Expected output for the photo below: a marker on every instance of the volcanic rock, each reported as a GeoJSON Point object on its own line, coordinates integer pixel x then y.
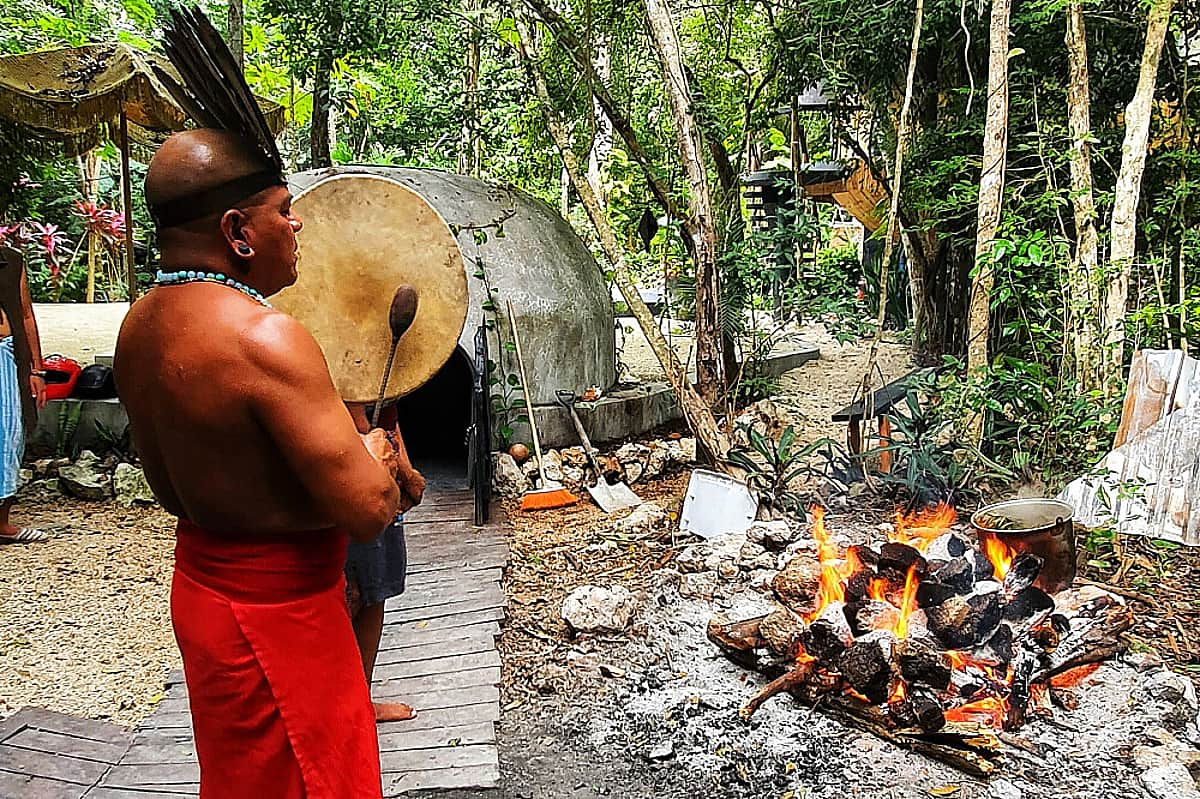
{"type": "Point", "coordinates": [963, 622]}
{"type": "Point", "coordinates": [1023, 571]}
{"type": "Point", "coordinates": [866, 665]}
{"type": "Point", "coordinates": [828, 635]}
{"type": "Point", "coordinates": [798, 585]}
{"type": "Point", "coordinates": [868, 615]}
{"type": "Point", "coordinates": [1028, 603]}
{"type": "Point", "coordinates": [958, 574]}
{"type": "Point", "coordinates": [898, 558]}
{"type": "Point", "coordinates": [946, 547]}
{"type": "Point", "coordinates": [783, 631]}
{"type": "Point", "coordinates": [922, 664]}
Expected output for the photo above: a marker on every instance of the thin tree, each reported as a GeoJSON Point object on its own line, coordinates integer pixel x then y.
{"type": "Point", "coordinates": [237, 21]}
{"type": "Point", "coordinates": [697, 412]}
{"type": "Point", "coordinates": [702, 231]}
{"type": "Point", "coordinates": [1083, 285]}
{"type": "Point", "coordinates": [991, 198]}
{"type": "Point", "coordinates": [1128, 190]}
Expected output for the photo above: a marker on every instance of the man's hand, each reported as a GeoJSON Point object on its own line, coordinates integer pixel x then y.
{"type": "Point", "coordinates": [412, 488]}
{"type": "Point", "coordinates": [381, 450]}
{"type": "Point", "coordinates": [37, 387]}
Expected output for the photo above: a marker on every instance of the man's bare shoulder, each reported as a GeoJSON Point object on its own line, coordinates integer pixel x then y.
{"type": "Point", "coordinates": [278, 344]}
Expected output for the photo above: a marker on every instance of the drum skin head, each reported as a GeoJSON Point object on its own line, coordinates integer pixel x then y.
{"type": "Point", "coordinates": [363, 236]}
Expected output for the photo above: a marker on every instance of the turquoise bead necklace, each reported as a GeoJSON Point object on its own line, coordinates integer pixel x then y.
{"type": "Point", "coordinates": [193, 276]}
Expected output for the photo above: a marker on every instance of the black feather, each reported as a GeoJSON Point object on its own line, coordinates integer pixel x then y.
{"type": "Point", "coordinates": [214, 90]}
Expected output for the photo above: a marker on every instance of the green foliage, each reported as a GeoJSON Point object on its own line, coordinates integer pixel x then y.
{"type": "Point", "coordinates": [774, 467]}
{"type": "Point", "coordinates": [68, 422]}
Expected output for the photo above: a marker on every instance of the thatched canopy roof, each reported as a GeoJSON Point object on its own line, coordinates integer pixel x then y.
{"type": "Point", "coordinates": [76, 94]}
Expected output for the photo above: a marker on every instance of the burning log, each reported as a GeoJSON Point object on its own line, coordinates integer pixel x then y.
{"type": "Point", "coordinates": [798, 586]}
{"type": "Point", "coordinates": [866, 665]}
{"type": "Point", "coordinates": [783, 631]}
{"type": "Point", "coordinates": [793, 680]}
{"type": "Point", "coordinates": [930, 593]}
{"type": "Point", "coordinates": [1000, 647]}
{"type": "Point", "coordinates": [1024, 570]}
{"type": "Point", "coordinates": [738, 639]}
{"type": "Point", "coordinates": [1023, 667]}
{"type": "Point", "coordinates": [919, 710]}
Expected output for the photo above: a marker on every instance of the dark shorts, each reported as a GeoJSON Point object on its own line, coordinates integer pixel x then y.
{"type": "Point", "coordinates": [375, 569]}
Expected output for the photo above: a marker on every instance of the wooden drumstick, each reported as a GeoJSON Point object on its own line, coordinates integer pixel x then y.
{"type": "Point", "coordinates": [400, 319]}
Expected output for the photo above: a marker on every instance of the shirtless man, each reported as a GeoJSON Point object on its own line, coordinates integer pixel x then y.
{"type": "Point", "coordinates": [12, 427]}
{"type": "Point", "coordinates": [244, 438]}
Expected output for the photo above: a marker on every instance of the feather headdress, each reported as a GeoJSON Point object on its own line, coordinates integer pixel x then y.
{"type": "Point", "coordinates": [214, 93]}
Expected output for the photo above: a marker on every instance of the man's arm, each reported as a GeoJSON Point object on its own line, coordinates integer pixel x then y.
{"type": "Point", "coordinates": [412, 482]}
{"type": "Point", "coordinates": [297, 405]}
{"type": "Point", "coordinates": [37, 381]}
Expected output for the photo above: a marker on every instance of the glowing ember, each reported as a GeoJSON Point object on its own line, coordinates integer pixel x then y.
{"type": "Point", "coordinates": [1072, 677]}
{"type": "Point", "coordinates": [1000, 555]}
{"type": "Point", "coordinates": [988, 711]}
{"type": "Point", "coordinates": [919, 528]}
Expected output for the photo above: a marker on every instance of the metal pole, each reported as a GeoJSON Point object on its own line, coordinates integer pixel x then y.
{"type": "Point", "coordinates": [127, 207]}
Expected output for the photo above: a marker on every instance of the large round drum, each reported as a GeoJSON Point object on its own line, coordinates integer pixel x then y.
{"type": "Point", "coordinates": [363, 236]}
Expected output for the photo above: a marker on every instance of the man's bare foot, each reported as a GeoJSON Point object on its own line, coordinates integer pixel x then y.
{"type": "Point", "coordinates": [393, 711]}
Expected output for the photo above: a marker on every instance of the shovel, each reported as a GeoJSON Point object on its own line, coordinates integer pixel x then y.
{"type": "Point", "coordinates": [609, 497]}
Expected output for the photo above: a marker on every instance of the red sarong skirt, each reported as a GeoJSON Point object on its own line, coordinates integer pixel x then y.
{"type": "Point", "coordinates": [280, 706]}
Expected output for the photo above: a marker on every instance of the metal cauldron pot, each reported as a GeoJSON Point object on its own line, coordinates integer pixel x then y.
{"type": "Point", "coordinates": [1041, 526]}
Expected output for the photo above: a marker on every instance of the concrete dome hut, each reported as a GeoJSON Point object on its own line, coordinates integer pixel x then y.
{"type": "Point", "coordinates": [533, 259]}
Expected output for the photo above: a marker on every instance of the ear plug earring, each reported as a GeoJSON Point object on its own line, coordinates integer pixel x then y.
{"type": "Point", "coordinates": [244, 249]}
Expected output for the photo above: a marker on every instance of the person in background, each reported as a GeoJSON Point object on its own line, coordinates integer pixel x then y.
{"type": "Point", "coordinates": [375, 570]}
{"type": "Point", "coordinates": [12, 429]}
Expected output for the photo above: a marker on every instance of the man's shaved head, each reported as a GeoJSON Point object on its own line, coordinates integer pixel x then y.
{"type": "Point", "coordinates": [198, 160]}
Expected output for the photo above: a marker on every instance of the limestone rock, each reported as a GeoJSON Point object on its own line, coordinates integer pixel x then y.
{"type": "Point", "coordinates": [766, 417]}
{"type": "Point", "coordinates": [657, 461]}
{"type": "Point", "coordinates": [530, 469]}
{"type": "Point", "coordinates": [753, 556]}
{"type": "Point", "coordinates": [85, 479]}
{"type": "Point", "coordinates": [593, 608]}
{"type": "Point", "coordinates": [695, 558]}
{"type": "Point", "coordinates": [507, 478]}
{"type": "Point", "coordinates": [633, 471]}
{"type": "Point", "coordinates": [687, 449]}
{"type": "Point", "coordinates": [773, 535]}
{"type": "Point", "coordinates": [573, 477]}
{"type": "Point", "coordinates": [782, 630]}
{"type": "Point", "coordinates": [553, 465]}
{"type": "Point", "coordinates": [632, 458]}
{"type": "Point", "coordinates": [573, 456]}
{"type": "Point", "coordinates": [130, 486]}
{"type": "Point", "coordinates": [701, 585]}
{"type": "Point", "coordinates": [641, 520]}
{"type": "Point", "coordinates": [728, 571]}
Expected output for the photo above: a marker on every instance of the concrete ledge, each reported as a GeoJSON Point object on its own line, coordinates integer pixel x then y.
{"type": "Point", "coordinates": [108, 412]}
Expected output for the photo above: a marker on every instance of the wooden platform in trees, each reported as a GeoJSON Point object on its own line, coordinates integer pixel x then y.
{"type": "Point", "coordinates": [438, 654]}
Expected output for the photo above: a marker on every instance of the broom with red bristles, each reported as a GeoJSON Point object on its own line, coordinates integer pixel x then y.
{"type": "Point", "coordinates": [551, 494]}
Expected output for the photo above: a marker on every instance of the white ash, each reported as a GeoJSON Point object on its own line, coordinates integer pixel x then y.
{"type": "Point", "coordinates": [681, 690]}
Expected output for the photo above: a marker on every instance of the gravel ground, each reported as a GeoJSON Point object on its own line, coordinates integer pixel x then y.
{"type": "Point", "coordinates": [84, 619]}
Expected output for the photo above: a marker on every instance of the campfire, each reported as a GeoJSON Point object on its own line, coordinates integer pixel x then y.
{"type": "Point", "coordinates": [939, 640]}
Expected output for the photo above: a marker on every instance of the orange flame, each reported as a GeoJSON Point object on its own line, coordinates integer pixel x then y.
{"type": "Point", "coordinates": [1000, 555]}
{"type": "Point", "coordinates": [834, 569]}
{"type": "Point", "coordinates": [919, 528]}
{"type": "Point", "coordinates": [908, 602]}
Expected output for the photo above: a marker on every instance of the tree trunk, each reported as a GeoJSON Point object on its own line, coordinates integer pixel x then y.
{"type": "Point", "coordinates": [893, 221]}
{"type": "Point", "coordinates": [991, 198]}
{"type": "Point", "coordinates": [1083, 285]}
{"type": "Point", "coordinates": [318, 132]}
{"type": "Point", "coordinates": [709, 363]}
{"type": "Point", "coordinates": [1127, 193]}
{"type": "Point", "coordinates": [470, 156]}
{"type": "Point", "coordinates": [602, 141]}
{"type": "Point", "coordinates": [697, 412]}
{"type": "Point", "coordinates": [236, 26]}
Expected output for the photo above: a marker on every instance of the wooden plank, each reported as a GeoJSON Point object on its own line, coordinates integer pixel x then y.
{"type": "Point", "coordinates": [431, 718]}
{"type": "Point", "coordinates": [439, 682]}
{"type": "Point", "coordinates": [445, 665]}
{"type": "Point", "coordinates": [423, 597]}
{"type": "Point", "coordinates": [168, 720]}
{"type": "Point", "coordinates": [22, 786]}
{"type": "Point", "coordinates": [174, 704]}
{"type": "Point", "coordinates": [145, 753]}
{"type": "Point", "coordinates": [467, 619]}
{"type": "Point", "coordinates": [13, 724]}
{"type": "Point", "coordinates": [163, 738]}
{"type": "Point", "coordinates": [457, 697]}
{"type": "Point", "coordinates": [486, 776]}
{"type": "Point", "coordinates": [465, 645]}
{"type": "Point", "coordinates": [132, 776]}
{"type": "Point", "coordinates": [437, 737]}
{"type": "Point", "coordinates": [436, 579]}
{"type": "Point", "coordinates": [459, 552]}
{"type": "Point", "coordinates": [80, 728]}
{"type": "Point", "coordinates": [173, 790]}
{"type": "Point", "coordinates": [104, 792]}
{"type": "Point", "coordinates": [469, 604]}
{"type": "Point", "coordinates": [403, 761]}
{"type": "Point", "coordinates": [397, 637]}
{"type": "Point", "coordinates": [51, 765]}
{"type": "Point", "coordinates": [46, 741]}
{"type": "Point", "coordinates": [489, 560]}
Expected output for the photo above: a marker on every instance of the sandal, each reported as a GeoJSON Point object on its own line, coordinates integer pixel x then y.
{"type": "Point", "coordinates": [26, 535]}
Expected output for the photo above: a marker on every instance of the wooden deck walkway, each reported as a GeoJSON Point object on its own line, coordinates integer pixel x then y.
{"type": "Point", "coordinates": [438, 654]}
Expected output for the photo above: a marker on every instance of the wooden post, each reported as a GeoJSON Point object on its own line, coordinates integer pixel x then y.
{"type": "Point", "coordinates": [885, 440]}
{"type": "Point", "coordinates": [127, 207]}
